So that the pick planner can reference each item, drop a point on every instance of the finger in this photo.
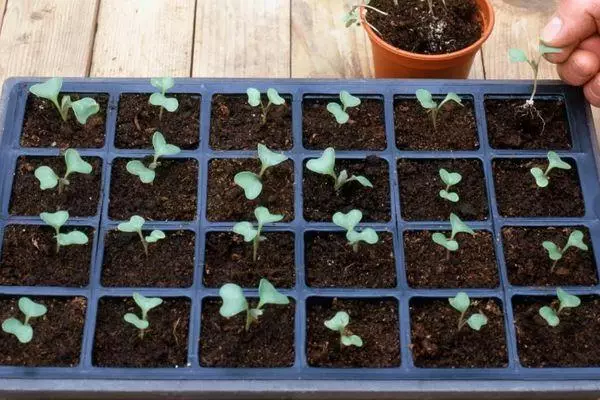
(592, 91)
(591, 44)
(559, 58)
(582, 66)
(573, 22)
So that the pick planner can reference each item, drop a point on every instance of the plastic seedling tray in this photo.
(300, 380)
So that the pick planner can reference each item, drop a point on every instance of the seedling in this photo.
(161, 148)
(146, 304)
(566, 300)
(541, 177)
(353, 16)
(461, 303)
(338, 323)
(450, 244)
(251, 182)
(160, 99)
(75, 164)
(245, 228)
(135, 224)
(325, 165)
(556, 253)
(348, 222)
(426, 100)
(57, 220)
(339, 111)
(234, 301)
(254, 100)
(450, 179)
(22, 330)
(83, 108)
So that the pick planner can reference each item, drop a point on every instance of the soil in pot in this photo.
(510, 126)
(573, 343)
(236, 125)
(365, 130)
(29, 257)
(169, 263)
(331, 262)
(456, 126)
(436, 341)
(80, 197)
(528, 263)
(224, 342)
(137, 120)
(429, 265)
(321, 200)
(374, 320)
(118, 344)
(228, 259)
(519, 196)
(226, 200)
(420, 184)
(56, 335)
(43, 126)
(171, 197)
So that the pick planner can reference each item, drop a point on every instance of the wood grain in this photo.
(2, 9)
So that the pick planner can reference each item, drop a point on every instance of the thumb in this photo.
(574, 21)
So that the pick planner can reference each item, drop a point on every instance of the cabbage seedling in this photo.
(135, 224)
(23, 330)
(339, 111)
(338, 323)
(83, 108)
(57, 220)
(146, 304)
(450, 179)
(234, 301)
(556, 253)
(161, 149)
(450, 244)
(566, 300)
(426, 100)
(251, 182)
(254, 100)
(160, 99)
(461, 303)
(353, 16)
(48, 178)
(541, 177)
(325, 165)
(245, 228)
(348, 222)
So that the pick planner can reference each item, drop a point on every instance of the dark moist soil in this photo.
(321, 200)
(512, 127)
(364, 130)
(331, 262)
(117, 343)
(410, 26)
(269, 343)
(29, 257)
(528, 263)
(374, 320)
(519, 196)
(80, 197)
(235, 125)
(172, 196)
(226, 200)
(436, 341)
(473, 265)
(573, 343)
(56, 335)
(456, 126)
(169, 263)
(44, 127)
(420, 185)
(229, 260)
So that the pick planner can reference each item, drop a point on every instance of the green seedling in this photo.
(22, 330)
(83, 108)
(450, 244)
(339, 111)
(57, 220)
(426, 100)
(461, 303)
(556, 253)
(234, 301)
(254, 100)
(245, 228)
(353, 16)
(450, 179)
(146, 304)
(566, 300)
(338, 323)
(251, 182)
(161, 149)
(325, 165)
(75, 164)
(541, 177)
(348, 222)
(136, 224)
(160, 99)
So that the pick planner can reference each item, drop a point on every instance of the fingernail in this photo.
(551, 30)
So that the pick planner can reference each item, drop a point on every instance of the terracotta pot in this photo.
(391, 62)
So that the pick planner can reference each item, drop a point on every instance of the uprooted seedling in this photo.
(161, 149)
(542, 178)
(450, 179)
(57, 220)
(566, 300)
(160, 99)
(450, 243)
(433, 108)
(145, 304)
(339, 323)
(349, 221)
(250, 234)
(251, 182)
(325, 165)
(339, 111)
(23, 330)
(461, 303)
(556, 253)
(353, 16)
(136, 224)
(75, 164)
(273, 99)
(82, 108)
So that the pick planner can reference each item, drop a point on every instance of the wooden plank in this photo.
(242, 38)
(2, 9)
(477, 70)
(144, 38)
